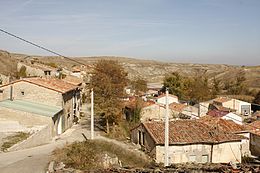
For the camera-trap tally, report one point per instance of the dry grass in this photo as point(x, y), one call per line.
point(87, 155)
point(9, 141)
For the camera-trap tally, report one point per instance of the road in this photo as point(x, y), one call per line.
point(35, 160)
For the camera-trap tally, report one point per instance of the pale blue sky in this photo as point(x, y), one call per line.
point(195, 31)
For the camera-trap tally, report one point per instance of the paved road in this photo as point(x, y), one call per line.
point(35, 160)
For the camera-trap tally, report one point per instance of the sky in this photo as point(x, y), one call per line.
point(186, 31)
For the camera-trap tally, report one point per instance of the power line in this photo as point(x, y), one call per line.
point(39, 46)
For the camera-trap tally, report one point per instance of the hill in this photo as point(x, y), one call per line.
point(8, 64)
point(150, 70)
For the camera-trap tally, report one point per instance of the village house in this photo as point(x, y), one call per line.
point(162, 99)
point(36, 69)
point(183, 111)
point(238, 107)
point(230, 126)
point(254, 129)
point(41, 101)
point(189, 141)
point(226, 115)
point(241, 107)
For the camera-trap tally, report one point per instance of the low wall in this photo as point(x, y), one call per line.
point(40, 137)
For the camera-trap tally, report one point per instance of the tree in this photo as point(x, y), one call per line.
point(216, 87)
point(238, 86)
point(22, 72)
point(139, 86)
point(108, 81)
point(174, 82)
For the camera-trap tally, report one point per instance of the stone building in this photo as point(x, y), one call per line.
point(51, 101)
point(189, 141)
point(35, 69)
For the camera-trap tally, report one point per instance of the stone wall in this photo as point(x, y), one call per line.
point(35, 71)
point(201, 153)
point(31, 92)
point(254, 144)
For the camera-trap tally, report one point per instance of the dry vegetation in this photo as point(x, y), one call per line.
point(9, 141)
point(88, 155)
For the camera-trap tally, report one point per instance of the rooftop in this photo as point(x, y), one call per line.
point(50, 83)
point(222, 124)
point(222, 99)
point(177, 107)
point(26, 106)
point(188, 132)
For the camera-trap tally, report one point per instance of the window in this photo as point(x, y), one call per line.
point(205, 158)
point(192, 158)
point(22, 92)
point(1, 91)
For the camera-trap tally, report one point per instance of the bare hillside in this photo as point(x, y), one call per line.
point(152, 71)
point(7, 63)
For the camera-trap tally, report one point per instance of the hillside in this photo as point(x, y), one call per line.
point(152, 71)
point(7, 63)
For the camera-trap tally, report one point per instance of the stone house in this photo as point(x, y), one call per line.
point(189, 141)
point(55, 101)
point(226, 115)
point(35, 69)
point(230, 126)
point(183, 111)
point(241, 107)
point(254, 129)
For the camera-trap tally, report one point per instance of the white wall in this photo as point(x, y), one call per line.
point(201, 153)
point(171, 99)
point(231, 116)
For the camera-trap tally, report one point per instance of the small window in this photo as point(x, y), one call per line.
point(205, 158)
point(22, 92)
point(192, 158)
point(68, 116)
point(1, 91)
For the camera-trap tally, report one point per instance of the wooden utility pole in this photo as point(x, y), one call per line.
point(92, 114)
point(166, 142)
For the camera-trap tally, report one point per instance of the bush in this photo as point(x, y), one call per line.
point(88, 155)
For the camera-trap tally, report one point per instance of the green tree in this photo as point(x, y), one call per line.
point(175, 83)
point(216, 87)
point(139, 86)
point(22, 72)
point(108, 81)
point(238, 86)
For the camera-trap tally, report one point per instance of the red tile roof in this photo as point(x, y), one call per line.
point(53, 84)
point(177, 107)
point(50, 83)
point(73, 80)
point(188, 132)
point(217, 113)
point(222, 124)
point(222, 99)
point(254, 127)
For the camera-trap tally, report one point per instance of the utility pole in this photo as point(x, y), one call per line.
point(92, 114)
point(166, 137)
